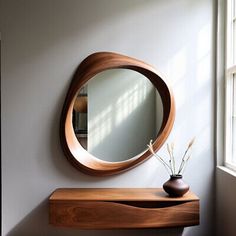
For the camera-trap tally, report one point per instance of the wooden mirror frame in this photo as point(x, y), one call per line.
point(89, 67)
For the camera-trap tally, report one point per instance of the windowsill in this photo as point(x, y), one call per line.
point(227, 170)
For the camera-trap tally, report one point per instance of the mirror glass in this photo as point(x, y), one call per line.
point(116, 114)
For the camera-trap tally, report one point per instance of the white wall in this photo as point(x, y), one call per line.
point(42, 44)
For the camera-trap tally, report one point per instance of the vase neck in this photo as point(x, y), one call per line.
point(176, 176)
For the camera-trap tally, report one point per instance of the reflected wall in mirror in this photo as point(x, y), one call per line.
point(116, 114)
point(114, 106)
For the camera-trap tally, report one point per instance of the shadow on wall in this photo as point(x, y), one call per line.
point(74, 30)
point(32, 226)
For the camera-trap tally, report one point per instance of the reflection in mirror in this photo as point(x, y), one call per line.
point(80, 117)
point(116, 114)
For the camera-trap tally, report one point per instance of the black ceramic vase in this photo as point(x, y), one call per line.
point(175, 186)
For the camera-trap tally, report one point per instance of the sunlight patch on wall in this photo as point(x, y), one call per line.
point(203, 56)
point(177, 72)
point(178, 65)
point(203, 42)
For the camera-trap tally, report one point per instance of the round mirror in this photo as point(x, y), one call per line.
point(116, 114)
point(114, 106)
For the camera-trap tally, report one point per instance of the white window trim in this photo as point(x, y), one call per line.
point(220, 88)
point(220, 82)
point(230, 70)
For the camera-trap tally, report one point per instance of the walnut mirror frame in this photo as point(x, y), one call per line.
point(89, 67)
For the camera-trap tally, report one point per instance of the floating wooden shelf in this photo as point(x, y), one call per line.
point(121, 208)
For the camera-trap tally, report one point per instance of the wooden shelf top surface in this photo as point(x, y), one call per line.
point(117, 194)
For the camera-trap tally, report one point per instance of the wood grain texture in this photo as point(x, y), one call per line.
point(117, 194)
point(92, 65)
point(121, 208)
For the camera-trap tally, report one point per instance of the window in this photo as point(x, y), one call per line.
point(230, 160)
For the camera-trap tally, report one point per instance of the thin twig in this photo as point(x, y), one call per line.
point(150, 146)
point(185, 163)
point(156, 155)
point(170, 161)
point(164, 164)
point(185, 153)
point(172, 153)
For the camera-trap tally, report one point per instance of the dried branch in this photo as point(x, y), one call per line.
point(183, 162)
point(171, 166)
point(150, 146)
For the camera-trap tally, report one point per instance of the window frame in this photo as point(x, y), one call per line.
point(230, 79)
